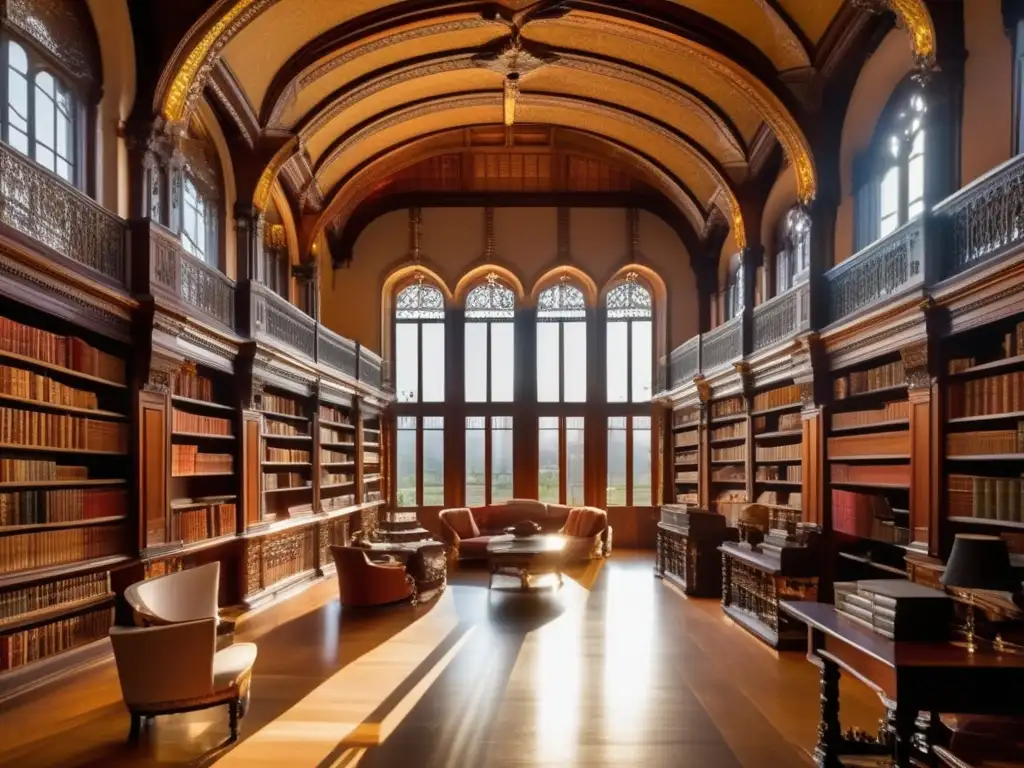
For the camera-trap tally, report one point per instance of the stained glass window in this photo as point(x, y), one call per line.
point(490, 343)
point(491, 301)
point(561, 301)
point(629, 342)
point(419, 301)
point(561, 344)
point(419, 343)
point(901, 192)
point(629, 299)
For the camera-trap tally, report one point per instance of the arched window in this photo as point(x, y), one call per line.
point(562, 344)
point(630, 341)
point(41, 118)
point(490, 342)
point(794, 259)
point(732, 295)
point(201, 184)
point(419, 343)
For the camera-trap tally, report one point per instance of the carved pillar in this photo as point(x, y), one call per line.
point(249, 264)
point(150, 148)
point(751, 260)
point(703, 443)
point(822, 212)
point(923, 450)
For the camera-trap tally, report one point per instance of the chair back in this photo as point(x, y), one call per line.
point(157, 665)
point(185, 595)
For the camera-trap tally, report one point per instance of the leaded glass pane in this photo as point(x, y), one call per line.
point(491, 301)
point(419, 301)
point(563, 300)
point(630, 299)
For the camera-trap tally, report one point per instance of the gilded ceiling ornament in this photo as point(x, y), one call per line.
point(912, 16)
point(262, 194)
point(274, 236)
point(513, 61)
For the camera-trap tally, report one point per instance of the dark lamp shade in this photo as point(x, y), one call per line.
point(979, 562)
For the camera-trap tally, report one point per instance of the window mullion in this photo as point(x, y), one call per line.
point(563, 462)
point(4, 94)
point(487, 460)
point(419, 461)
point(30, 89)
point(629, 461)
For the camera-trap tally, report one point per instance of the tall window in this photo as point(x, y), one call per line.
point(419, 466)
point(490, 343)
point(194, 228)
point(489, 464)
point(561, 344)
point(419, 343)
point(794, 260)
point(629, 462)
point(732, 296)
point(630, 341)
point(40, 119)
point(560, 451)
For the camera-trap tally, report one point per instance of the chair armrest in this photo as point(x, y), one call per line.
point(448, 534)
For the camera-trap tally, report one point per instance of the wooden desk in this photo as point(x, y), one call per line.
point(911, 678)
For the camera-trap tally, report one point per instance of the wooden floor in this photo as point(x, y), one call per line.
point(616, 668)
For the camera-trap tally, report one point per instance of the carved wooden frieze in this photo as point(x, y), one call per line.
point(63, 27)
point(915, 363)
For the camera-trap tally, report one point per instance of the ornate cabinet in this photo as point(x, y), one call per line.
point(688, 549)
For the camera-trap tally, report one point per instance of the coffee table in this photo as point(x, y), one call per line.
point(526, 556)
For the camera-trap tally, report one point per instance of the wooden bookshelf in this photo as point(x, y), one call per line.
point(64, 506)
point(729, 455)
point(369, 479)
point(336, 453)
point(287, 455)
point(777, 453)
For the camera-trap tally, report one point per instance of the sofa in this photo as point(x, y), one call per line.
point(468, 531)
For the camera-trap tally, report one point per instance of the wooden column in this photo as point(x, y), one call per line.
point(923, 451)
point(704, 444)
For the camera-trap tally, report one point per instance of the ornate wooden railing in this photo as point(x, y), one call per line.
point(884, 269)
point(337, 351)
point(782, 317)
point(370, 368)
point(722, 346)
point(985, 218)
point(684, 362)
point(192, 282)
point(45, 208)
point(278, 320)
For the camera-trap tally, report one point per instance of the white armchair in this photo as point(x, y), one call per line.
point(176, 668)
point(180, 596)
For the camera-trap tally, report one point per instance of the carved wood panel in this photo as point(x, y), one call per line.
point(153, 468)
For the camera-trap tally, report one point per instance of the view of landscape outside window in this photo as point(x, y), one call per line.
point(405, 464)
point(476, 466)
point(642, 461)
point(616, 461)
point(574, 449)
point(433, 461)
point(548, 479)
point(501, 459)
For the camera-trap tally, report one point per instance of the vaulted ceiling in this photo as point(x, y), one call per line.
point(684, 95)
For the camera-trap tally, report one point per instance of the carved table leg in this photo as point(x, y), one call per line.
point(906, 718)
point(826, 754)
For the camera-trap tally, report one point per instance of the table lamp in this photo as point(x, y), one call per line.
point(978, 562)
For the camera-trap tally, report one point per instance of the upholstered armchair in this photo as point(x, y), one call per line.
point(588, 535)
point(180, 596)
point(363, 583)
point(177, 668)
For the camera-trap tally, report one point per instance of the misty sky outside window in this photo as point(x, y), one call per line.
point(561, 344)
point(630, 340)
point(490, 342)
point(419, 343)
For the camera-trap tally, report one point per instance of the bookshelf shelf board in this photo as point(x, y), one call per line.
point(778, 409)
point(874, 563)
point(778, 461)
point(988, 457)
point(206, 474)
point(371, 479)
point(987, 417)
point(881, 486)
point(371, 445)
point(192, 547)
point(31, 361)
point(202, 436)
point(685, 427)
point(50, 572)
point(205, 502)
point(987, 521)
point(728, 461)
point(689, 482)
point(91, 412)
point(284, 416)
point(58, 483)
point(338, 445)
point(729, 440)
point(874, 426)
point(779, 506)
point(283, 490)
point(49, 449)
point(7, 530)
point(336, 424)
point(894, 389)
point(783, 433)
point(995, 365)
point(337, 485)
point(45, 616)
point(871, 457)
point(337, 463)
point(794, 483)
point(286, 463)
point(716, 420)
point(730, 481)
point(182, 400)
point(290, 438)
point(687, 463)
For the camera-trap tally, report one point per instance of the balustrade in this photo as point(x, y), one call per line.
point(337, 351)
point(198, 285)
point(782, 317)
point(684, 362)
point(370, 368)
point(722, 346)
point(278, 320)
point(44, 208)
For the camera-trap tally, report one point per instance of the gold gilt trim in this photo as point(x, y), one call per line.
point(914, 18)
point(767, 103)
point(261, 196)
point(190, 79)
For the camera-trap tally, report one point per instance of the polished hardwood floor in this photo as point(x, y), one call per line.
point(615, 668)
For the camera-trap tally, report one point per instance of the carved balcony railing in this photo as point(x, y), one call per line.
point(722, 346)
point(985, 218)
point(884, 269)
point(44, 208)
point(179, 274)
point(782, 317)
point(337, 351)
point(371, 368)
point(278, 320)
point(684, 363)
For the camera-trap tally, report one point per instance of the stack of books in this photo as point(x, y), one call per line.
point(895, 608)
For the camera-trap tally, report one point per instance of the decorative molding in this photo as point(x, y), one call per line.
point(232, 98)
point(915, 364)
point(913, 17)
point(63, 28)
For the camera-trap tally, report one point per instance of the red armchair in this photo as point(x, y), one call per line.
point(363, 583)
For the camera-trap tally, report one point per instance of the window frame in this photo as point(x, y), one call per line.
point(562, 429)
point(39, 62)
point(629, 320)
point(419, 430)
point(488, 433)
point(630, 433)
point(491, 282)
point(561, 321)
point(419, 281)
